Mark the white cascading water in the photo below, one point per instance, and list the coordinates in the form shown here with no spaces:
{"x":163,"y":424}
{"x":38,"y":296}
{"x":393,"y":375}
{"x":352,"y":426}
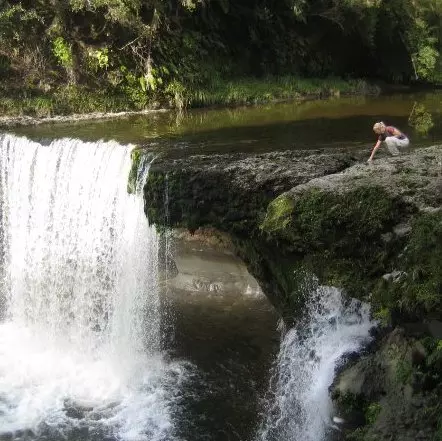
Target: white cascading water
{"x":300,"y":408}
{"x":80,"y":329}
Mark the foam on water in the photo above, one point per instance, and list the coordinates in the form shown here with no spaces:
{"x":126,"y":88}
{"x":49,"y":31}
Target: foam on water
{"x":299,"y":407}
{"x":80,"y":336}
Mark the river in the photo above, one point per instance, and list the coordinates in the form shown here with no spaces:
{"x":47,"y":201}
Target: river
{"x":339,"y":122}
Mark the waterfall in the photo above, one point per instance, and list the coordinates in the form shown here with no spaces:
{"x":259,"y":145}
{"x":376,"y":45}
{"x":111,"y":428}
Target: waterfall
{"x":80,"y":332}
{"x":299,"y":407}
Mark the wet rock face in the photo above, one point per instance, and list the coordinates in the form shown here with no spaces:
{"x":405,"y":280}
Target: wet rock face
{"x":327,"y":213}
{"x":391,"y":393}
{"x":230,"y":192}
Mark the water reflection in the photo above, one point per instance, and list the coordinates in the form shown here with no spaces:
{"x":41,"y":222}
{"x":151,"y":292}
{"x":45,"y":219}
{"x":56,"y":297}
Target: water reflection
{"x":420,"y":119}
{"x":290,"y":125}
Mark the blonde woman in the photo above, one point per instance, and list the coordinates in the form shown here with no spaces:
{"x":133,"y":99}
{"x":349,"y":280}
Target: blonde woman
{"x":392,"y":136}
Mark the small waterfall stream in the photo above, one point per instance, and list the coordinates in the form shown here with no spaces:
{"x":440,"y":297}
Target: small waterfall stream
{"x":299,"y":408}
{"x":80,"y":354}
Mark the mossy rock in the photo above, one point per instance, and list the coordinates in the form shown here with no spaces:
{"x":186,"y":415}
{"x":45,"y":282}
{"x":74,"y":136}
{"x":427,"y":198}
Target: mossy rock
{"x":135,"y":156}
{"x":419,"y":292}
{"x":336,"y":236}
{"x":318,"y":219}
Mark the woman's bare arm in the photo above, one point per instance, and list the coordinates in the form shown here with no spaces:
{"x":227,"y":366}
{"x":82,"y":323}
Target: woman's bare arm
{"x":377,"y":145}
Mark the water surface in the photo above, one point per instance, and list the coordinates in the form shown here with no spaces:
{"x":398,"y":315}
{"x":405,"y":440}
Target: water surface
{"x":338,"y":122}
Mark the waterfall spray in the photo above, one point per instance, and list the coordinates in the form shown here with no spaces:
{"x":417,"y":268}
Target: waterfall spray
{"x":299,"y":408}
{"x":80,"y":339}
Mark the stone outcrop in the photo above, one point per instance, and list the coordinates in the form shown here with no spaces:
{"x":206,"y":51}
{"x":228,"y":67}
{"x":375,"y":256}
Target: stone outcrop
{"x":394,"y":392}
{"x":363,"y":227}
{"x":231,"y":193}
{"x":374,"y":230}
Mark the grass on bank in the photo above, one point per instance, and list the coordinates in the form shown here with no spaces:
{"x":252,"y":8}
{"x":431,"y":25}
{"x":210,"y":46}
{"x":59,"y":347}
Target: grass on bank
{"x":255,"y":91}
{"x":69,"y":99}
{"x":63,"y":101}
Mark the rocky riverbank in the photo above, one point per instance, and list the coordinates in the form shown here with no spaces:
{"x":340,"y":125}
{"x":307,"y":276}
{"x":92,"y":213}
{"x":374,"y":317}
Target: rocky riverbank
{"x":374,"y":230}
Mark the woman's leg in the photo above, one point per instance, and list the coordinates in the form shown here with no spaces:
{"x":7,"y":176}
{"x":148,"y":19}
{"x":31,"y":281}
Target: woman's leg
{"x":393,"y":143}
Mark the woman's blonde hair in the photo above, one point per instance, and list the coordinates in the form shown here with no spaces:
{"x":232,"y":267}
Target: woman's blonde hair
{"x":378,"y":127}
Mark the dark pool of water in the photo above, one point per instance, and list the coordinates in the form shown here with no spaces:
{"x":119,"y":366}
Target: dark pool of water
{"x":292,"y":125}
{"x":224,"y":325}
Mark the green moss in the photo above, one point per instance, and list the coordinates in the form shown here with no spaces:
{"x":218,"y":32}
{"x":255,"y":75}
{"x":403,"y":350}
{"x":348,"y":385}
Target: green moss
{"x":154,"y":192}
{"x":372,"y":412}
{"x":338,"y":238}
{"x":296,"y":282}
{"x":424,"y":257}
{"x":279,"y":214}
{"x":419,"y":291}
{"x":135,"y":157}
{"x":335,"y":236}
{"x":319,"y":219}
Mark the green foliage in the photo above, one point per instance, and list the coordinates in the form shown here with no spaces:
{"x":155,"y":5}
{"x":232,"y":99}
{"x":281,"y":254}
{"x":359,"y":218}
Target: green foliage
{"x":65,"y":101}
{"x":404,"y":371}
{"x":349,"y":402}
{"x":357,"y":435}
{"x":99,"y":59}
{"x":187,"y":54}
{"x":131,"y":92}
{"x":434,"y":360}
{"x":421,"y":37}
{"x":425,"y":61}
{"x":383,"y":316}
{"x":12,"y":17}
{"x":438,"y":434}
{"x":420,"y":119}
{"x":62,"y":51}
{"x":135,"y":88}
{"x":254,"y":91}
